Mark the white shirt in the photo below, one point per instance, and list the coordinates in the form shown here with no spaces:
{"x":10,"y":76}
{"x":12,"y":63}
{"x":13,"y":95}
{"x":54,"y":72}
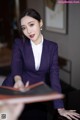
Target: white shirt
{"x":37,"y":52}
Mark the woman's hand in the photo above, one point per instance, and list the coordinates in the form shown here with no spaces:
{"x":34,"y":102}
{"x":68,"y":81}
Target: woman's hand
{"x":19,"y":84}
{"x":69,"y":114}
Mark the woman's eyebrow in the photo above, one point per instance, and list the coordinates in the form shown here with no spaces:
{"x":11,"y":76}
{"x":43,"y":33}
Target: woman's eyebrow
{"x":22,"y":26}
{"x":30,"y":22}
{"x":27,"y":23}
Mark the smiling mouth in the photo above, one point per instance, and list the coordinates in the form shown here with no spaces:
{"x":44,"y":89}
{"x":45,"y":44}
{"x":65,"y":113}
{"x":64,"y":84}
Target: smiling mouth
{"x":31,"y":36}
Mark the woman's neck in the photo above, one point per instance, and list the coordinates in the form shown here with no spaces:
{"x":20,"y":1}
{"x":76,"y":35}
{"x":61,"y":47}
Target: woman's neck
{"x":39,"y":40}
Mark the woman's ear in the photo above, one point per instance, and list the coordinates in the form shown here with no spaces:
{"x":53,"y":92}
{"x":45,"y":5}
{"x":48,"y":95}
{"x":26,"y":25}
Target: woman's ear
{"x":41,"y":23}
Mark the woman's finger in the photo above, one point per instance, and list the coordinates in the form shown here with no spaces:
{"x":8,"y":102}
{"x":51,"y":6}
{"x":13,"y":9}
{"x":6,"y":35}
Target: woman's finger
{"x":27,"y":84}
{"x":68,"y":117}
{"x":71,"y":116}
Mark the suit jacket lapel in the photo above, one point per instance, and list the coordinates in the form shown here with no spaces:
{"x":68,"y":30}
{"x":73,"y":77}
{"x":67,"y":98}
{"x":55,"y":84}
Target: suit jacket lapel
{"x":29,"y":54}
{"x":44,"y":56}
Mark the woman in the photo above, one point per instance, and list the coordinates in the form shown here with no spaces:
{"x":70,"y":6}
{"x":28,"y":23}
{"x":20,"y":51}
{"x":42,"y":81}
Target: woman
{"x":33,"y":59}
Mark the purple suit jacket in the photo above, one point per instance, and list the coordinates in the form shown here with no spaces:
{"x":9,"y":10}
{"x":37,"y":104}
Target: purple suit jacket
{"x":23,"y":64}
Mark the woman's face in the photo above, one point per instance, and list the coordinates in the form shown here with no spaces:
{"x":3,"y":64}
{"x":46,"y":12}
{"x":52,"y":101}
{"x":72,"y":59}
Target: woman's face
{"x":31,"y":28}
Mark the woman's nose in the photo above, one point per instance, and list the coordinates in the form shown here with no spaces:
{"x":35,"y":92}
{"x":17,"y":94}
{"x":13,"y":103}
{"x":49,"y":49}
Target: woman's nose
{"x":28,"y":31}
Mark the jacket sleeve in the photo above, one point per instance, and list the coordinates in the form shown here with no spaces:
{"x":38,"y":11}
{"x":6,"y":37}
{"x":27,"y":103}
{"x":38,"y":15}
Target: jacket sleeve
{"x":54,"y":76}
{"x":16,"y":64}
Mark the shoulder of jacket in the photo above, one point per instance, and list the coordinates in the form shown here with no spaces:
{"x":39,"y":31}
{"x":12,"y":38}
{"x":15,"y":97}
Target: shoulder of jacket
{"x":51,"y":43}
{"x":18,"y":40}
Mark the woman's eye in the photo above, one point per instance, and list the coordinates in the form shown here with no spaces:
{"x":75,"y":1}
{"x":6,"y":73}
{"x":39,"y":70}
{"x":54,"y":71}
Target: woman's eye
{"x":23,"y":28}
{"x":31,"y":25}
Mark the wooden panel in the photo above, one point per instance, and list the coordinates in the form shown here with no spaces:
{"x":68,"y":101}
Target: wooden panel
{"x":5,"y":57}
